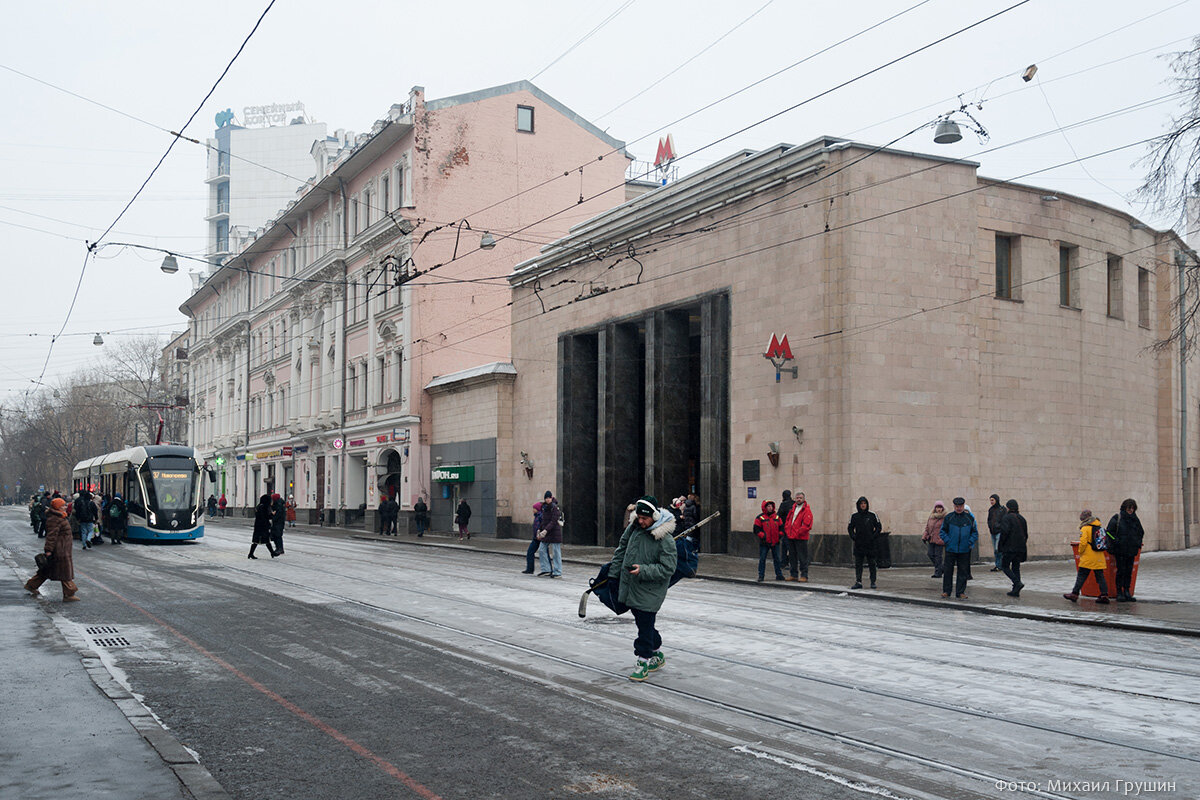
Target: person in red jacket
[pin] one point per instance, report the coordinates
(797, 526)
(768, 527)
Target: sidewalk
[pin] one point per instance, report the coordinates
(69, 727)
(1168, 601)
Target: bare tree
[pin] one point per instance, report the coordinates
(1173, 163)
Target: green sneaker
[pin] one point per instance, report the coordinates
(657, 661)
(642, 672)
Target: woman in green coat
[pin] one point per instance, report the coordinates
(645, 561)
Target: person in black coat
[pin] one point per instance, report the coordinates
(1014, 538)
(996, 512)
(421, 516)
(864, 530)
(463, 517)
(118, 518)
(1126, 528)
(278, 521)
(262, 526)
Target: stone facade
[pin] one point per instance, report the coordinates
(922, 370)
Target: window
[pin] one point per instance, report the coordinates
(1068, 276)
(354, 215)
(400, 187)
(1115, 284)
(352, 381)
(525, 119)
(1008, 267)
(1143, 297)
(385, 192)
(382, 380)
(398, 374)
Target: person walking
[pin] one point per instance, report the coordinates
(262, 527)
(959, 533)
(995, 514)
(797, 526)
(1014, 539)
(644, 561)
(1125, 529)
(864, 530)
(463, 517)
(118, 518)
(932, 537)
(98, 508)
(421, 516)
(290, 510)
(534, 542)
(550, 549)
(211, 506)
(85, 512)
(57, 547)
(768, 527)
(1091, 560)
(278, 521)
(222, 504)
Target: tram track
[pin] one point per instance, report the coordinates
(855, 689)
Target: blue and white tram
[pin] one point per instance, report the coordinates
(162, 486)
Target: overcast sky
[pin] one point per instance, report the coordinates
(70, 165)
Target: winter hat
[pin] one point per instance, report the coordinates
(1085, 515)
(937, 503)
(58, 504)
(275, 496)
(648, 505)
(958, 501)
(548, 495)
(1012, 506)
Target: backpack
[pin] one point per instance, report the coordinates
(114, 511)
(1099, 539)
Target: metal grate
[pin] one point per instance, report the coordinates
(112, 641)
(95, 629)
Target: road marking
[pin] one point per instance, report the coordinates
(311, 719)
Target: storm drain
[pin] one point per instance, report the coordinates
(112, 641)
(98, 629)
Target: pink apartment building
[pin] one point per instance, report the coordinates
(360, 343)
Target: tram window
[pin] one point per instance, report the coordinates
(133, 500)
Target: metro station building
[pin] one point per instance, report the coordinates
(951, 335)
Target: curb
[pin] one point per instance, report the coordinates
(995, 611)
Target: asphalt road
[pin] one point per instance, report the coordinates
(352, 669)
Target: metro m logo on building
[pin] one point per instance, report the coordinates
(779, 352)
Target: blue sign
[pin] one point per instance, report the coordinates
(751, 492)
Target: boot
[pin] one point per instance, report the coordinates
(69, 592)
(1072, 596)
(1102, 599)
(32, 585)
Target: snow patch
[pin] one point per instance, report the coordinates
(857, 786)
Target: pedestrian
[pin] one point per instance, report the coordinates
(691, 511)
(864, 530)
(550, 547)
(959, 533)
(995, 514)
(1126, 534)
(383, 515)
(645, 560)
(783, 509)
(98, 509)
(1091, 560)
(797, 526)
(393, 515)
(118, 518)
(211, 506)
(290, 510)
(222, 504)
(57, 547)
(463, 517)
(421, 515)
(262, 527)
(278, 521)
(769, 529)
(85, 512)
(534, 541)
(933, 539)
(1014, 539)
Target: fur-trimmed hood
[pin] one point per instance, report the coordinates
(664, 525)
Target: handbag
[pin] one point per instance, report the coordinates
(43, 561)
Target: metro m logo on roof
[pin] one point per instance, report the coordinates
(779, 352)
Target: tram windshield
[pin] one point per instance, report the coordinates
(172, 482)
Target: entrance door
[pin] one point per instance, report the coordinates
(321, 487)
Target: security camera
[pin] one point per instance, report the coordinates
(1030, 71)
(795, 430)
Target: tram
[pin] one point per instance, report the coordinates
(162, 486)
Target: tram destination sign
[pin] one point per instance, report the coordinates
(455, 474)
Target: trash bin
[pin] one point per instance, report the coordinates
(1091, 588)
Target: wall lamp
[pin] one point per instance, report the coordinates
(773, 453)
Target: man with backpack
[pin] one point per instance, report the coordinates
(118, 518)
(85, 514)
(1091, 556)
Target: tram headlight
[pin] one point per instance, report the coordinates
(153, 519)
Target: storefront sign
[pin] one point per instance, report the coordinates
(337, 444)
(300, 449)
(267, 454)
(357, 442)
(401, 435)
(454, 474)
(287, 451)
(239, 458)
(382, 438)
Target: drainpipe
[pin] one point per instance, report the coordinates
(246, 394)
(1183, 470)
(342, 345)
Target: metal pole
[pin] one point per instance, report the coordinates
(1183, 469)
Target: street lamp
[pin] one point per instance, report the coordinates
(99, 340)
(487, 242)
(170, 265)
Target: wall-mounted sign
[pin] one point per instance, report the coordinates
(402, 435)
(382, 438)
(337, 444)
(300, 449)
(454, 474)
(287, 451)
(268, 454)
(356, 442)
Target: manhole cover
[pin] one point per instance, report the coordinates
(97, 629)
(112, 641)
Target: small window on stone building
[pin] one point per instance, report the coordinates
(1143, 297)
(525, 119)
(1068, 276)
(1115, 284)
(1008, 267)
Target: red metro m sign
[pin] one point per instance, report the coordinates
(779, 352)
